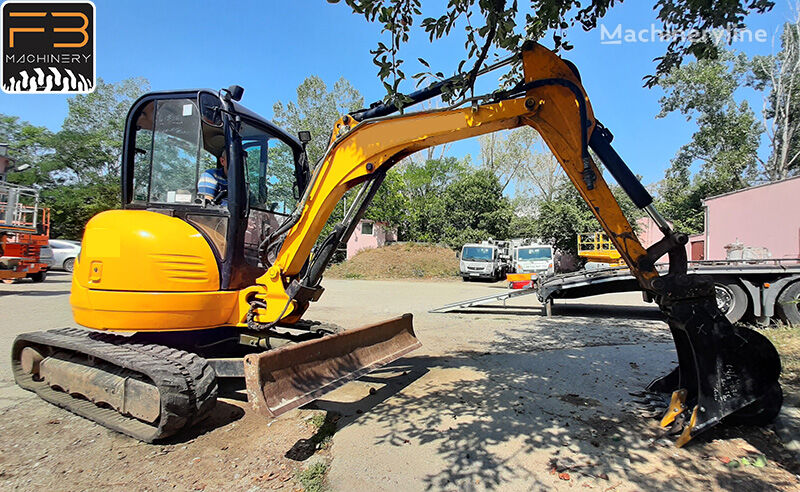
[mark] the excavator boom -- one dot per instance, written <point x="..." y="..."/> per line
<point x="724" y="370"/>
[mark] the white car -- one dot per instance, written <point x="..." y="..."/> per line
<point x="64" y="254"/>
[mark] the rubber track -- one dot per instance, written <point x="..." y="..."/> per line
<point x="186" y="382"/>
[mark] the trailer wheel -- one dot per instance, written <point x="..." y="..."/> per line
<point x="731" y="300"/>
<point x="788" y="305"/>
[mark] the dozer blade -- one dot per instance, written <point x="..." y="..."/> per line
<point x="725" y="372"/>
<point x="283" y="379"/>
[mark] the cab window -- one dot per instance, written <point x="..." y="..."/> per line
<point x="171" y="153"/>
<point x="269" y="170"/>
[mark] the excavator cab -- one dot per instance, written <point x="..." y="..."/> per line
<point x="178" y="256"/>
<point x="175" y="144"/>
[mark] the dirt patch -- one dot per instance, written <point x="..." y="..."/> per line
<point x="404" y="260"/>
<point x="579" y="400"/>
<point x="50" y="449"/>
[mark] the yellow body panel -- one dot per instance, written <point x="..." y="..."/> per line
<point x="152" y="311"/>
<point x="146" y="271"/>
<point x="136" y="250"/>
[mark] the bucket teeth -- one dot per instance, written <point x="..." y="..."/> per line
<point x="677" y="405"/>
<point x="686" y="435"/>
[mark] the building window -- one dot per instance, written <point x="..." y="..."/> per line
<point x="366" y="228"/>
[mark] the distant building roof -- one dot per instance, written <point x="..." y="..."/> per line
<point x="750" y="188"/>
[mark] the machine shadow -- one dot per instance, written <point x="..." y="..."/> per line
<point x="487" y="412"/>
<point x="42" y="293"/>
<point x="221" y="415"/>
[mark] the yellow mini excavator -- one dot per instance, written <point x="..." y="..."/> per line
<point x="206" y="287"/>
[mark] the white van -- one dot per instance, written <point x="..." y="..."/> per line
<point x="534" y="258"/>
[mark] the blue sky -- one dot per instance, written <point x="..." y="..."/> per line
<point x="269" y="47"/>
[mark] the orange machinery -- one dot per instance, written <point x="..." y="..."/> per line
<point x="24" y="230"/>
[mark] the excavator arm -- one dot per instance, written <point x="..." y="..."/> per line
<point x="725" y="372"/>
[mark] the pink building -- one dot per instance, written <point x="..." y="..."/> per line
<point x="766" y="216"/>
<point x="648" y="233"/>
<point x="370" y="234"/>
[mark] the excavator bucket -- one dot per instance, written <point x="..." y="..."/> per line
<point x="283" y="379"/>
<point x="725" y="372"/>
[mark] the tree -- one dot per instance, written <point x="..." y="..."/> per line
<point x="89" y="144"/>
<point x="391" y="203"/>
<point x="471" y="209"/>
<point x="432" y="176"/>
<point x="520" y="156"/>
<point x="422" y="184"/>
<point x="725" y="144"/>
<point x="780" y="76"/>
<point x="77" y="168"/>
<point x="72" y="205"/>
<point x="560" y="219"/>
<point x="27" y="145"/>
<point x="491" y="24"/>
<point x="316" y="110"/>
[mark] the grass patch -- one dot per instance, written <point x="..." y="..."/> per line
<point x="313" y="477"/>
<point x="325" y="423"/>
<point x="400" y="260"/>
<point x="786" y="339"/>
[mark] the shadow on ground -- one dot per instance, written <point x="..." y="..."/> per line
<point x="526" y="409"/>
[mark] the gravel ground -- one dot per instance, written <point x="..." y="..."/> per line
<point x="499" y="398"/>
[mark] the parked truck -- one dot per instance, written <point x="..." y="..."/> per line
<point x="534" y="258"/>
<point x="488" y="259"/>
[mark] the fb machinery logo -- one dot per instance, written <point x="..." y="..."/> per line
<point x="48" y="47"/>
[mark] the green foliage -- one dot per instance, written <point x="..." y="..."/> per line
<point x="77" y="169"/>
<point x="497" y="24"/>
<point x="71" y="206"/>
<point x="411" y="197"/>
<point x="561" y="219"/>
<point x="432" y="176"/>
<point x="89" y="144"/>
<point x="391" y="203"/>
<point x="472" y="208"/>
<point x="780" y="75"/>
<point x="316" y="110"/>
<point x="313" y="477"/>
<point x="325" y="423"/>
<point x="725" y="144"/>
<point x="27" y="145"/>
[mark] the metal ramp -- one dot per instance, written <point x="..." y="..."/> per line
<point x="481" y="301"/>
